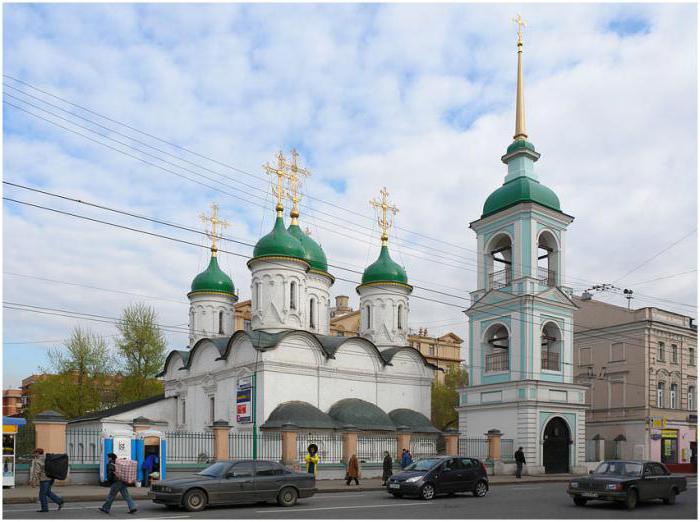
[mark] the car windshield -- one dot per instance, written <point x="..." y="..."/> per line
<point x="629" y="469"/>
<point x="422" y="465"/>
<point x="215" y="470"/>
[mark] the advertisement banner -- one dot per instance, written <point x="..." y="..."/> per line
<point x="244" y="410"/>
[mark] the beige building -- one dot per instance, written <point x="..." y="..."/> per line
<point x="443" y="351"/>
<point x="640" y="366"/>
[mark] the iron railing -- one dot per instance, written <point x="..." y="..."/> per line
<point x="83" y="446"/>
<point x="330" y="446"/>
<point x="550" y="361"/>
<point x="497" y="362"/>
<point x="546" y="277"/>
<point x="268" y="445"/>
<point x="474" y="447"/>
<point x="501" y="278"/>
<point x="371" y="446"/>
<point x="423" y="446"/>
<point x="190" y="447"/>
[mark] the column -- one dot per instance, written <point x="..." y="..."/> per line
<point x="451" y="442"/>
<point x="403" y="441"/>
<point x="221" y="429"/>
<point x="349" y="442"/>
<point x="289" y="445"/>
<point x="50" y="429"/>
<point x="494" y="437"/>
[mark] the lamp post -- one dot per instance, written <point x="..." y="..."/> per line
<point x="255" y="414"/>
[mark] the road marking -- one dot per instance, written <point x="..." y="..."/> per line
<point x="294" y="510"/>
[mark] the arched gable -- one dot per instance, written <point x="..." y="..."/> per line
<point x="357" y="354"/>
<point x="407" y="361"/>
<point x="297" y="347"/>
<point x="205" y="354"/>
<point x="174" y="362"/>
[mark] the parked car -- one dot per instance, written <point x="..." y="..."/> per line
<point x="235" y="482"/>
<point x="428" y="477"/>
<point x="627" y="481"/>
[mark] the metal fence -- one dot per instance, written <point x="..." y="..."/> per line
<point x="190" y="447"/>
<point x="83" y="446"/>
<point x="371" y="446"/>
<point x="25" y="442"/>
<point x="269" y="445"/>
<point x="478" y="448"/>
<point x="330" y="446"/>
<point x="423" y="446"/>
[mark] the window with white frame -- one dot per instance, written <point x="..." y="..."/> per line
<point x="691" y="398"/>
<point x="312" y="313"/>
<point x="660" y="394"/>
<point x="674" y="396"/>
<point x="293" y="295"/>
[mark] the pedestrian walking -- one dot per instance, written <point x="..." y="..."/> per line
<point x="519" y="461"/>
<point x="37" y="477"/>
<point x="406" y="459"/>
<point x="387" y="468"/>
<point x="312" y="459"/>
<point x="149" y="464"/>
<point x="353" y="471"/>
<point x="116" y="486"/>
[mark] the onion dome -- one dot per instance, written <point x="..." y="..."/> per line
<point x="279" y="243"/>
<point x="313" y="253"/>
<point x="384" y="270"/>
<point x="520" y="190"/>
<point x="213" y="280"/>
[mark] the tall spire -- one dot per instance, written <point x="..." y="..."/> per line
<point x="214" y="220"/>
<point x="520" y="132"/>
<point x="294" y="176"/>
<point x="383" y="207"/>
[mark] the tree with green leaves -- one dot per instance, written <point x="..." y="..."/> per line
<point x="74" y="383"/>
<point x="445" y="397"/>
<point x="142" y="346"/>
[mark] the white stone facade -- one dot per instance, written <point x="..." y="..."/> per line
<point x="211" y="315"/>
<point x="384" y="314"/>
<point x="318" y="302"/>
<point x="278" y="293"/>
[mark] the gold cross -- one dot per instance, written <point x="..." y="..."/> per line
<point x="215" y="221"/>
<point x="281" y="172"/>
<point x="385" y="222"/>
<point x="521" y="23"/>
<point x="295" y="172"/>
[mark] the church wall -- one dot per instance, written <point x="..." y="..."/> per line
<point x="204" y="359"/>
<point x="271" y="300"/>
<point x="384" y="303"/>
<point x="204" y="315"/>
<point x="318" y="288"/>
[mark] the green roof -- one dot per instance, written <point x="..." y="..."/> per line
<point x="213" y="279"/>
<point x="302" y="414"/>
<point x="520" y="190"/>
<point x="520" y="144"/>
<point x="313" y="253"/>
<point x="360" y="414"/>
<point x="279" y="242"/>
<point x="384" y="270"/>
<point x="415" y="421"/>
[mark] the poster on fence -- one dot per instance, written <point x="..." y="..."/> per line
<point x="244" y="410"/>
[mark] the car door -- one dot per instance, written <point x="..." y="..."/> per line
<point x="470" y="473"/>
<point x="240" y="483"/>
<point x="662" y="481"/>
<point x="647" y="483"/>
<point x="449" y="476"/>
<point x="267" y="480"/>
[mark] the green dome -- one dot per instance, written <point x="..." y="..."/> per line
<point x="520" y="144"/>
<point x="279" y="242"/>
<point x="520" y="190"/>
<point x="313" y="253"/>
<point x="384" y="270"/>
<point x="213" y="279"/>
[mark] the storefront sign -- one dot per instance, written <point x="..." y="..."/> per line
<point x="658" y="422"/>
<point x="669" y="434"/>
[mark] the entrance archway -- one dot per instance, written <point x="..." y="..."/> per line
<point x="555" y="456"/>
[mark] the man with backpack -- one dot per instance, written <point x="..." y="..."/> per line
<point x="38" y="477"/>
<point x="116" y="485"/>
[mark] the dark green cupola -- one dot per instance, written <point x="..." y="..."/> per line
<point x="279" y="243"/>
<point x="313" y="253"/>
<point x="384" y="270"/>
<point x="213" y="280"/>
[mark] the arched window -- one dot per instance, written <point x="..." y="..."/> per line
<point x="256" y="304"/>
<point x="497" y="349"/>
<point x="312" y="313"/>
<point x="293" y="296"/>
<point x="691" y="398"/>
<point x="660" y="394"/>
<point x="499" y="261"/>
<point x="368" y="317"/>
<point x="399" y="318"/>
<point x="221" y="322"/>
<point x="674" y="395"/>
<point x="547" y="259"/>
<point x="674" y="354"/>
<point x="551" y="347"/>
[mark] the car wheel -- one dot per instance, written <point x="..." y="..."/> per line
<point x="427" y="492"/>
<point x="195" y="500"/>
<point x="631" y="500"/>
<point x="580" y="501"/>
<point x="481" y="489"/>
<point x="671" y="498"/>
<point x="287" y="497"/>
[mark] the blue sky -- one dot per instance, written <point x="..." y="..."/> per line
<point x="415" y="97"/>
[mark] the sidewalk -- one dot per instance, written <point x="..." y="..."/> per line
<point x="27" y="494"/>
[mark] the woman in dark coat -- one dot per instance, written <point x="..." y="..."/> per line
<point x="388" y="470"/>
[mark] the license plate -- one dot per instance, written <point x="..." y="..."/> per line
<point x="590" y="495"/>
<point x="394" y="486"/>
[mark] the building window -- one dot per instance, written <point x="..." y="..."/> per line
<point x="293" y="296"/>
<point x="617" y="352"/>
<point x="691" y="398"/>
<point x="183" y="420"/>
<point x="312" y="314"/>
<point x="674" y="354"/>
<point x="212" y="404"/>
<point x="585" y="356"/>
<point x="257" y="296"/>
<point x="674" y="395"/>
<point x="399" y="317"/>
<point x="246" y="324"/>
<point x="368" y="316"/>
<point x="691" y="356"/>
<point x="661" y="355"/>
<point x="221" y="323"/>
<point x="660" y="394"/>
<point x="431" y="349"/>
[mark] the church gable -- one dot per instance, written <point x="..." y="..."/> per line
<point x="556" y="296"/>
<point x="296" y="348"/>
<point x="407" y="361"/>
<point x="358" y="355"/>
<point x="204" y="357"/>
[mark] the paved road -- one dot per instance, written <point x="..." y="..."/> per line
<point x="520" y="501"/>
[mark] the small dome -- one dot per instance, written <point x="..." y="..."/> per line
<point x="213" y="279"/>
<point x="279" y="242"/>
<point x="313" y="253"/>
<point x="300" y="413"/>
<point x="520" y="190"/>
<point x="416" y="422"/>
<point x="384" y="270"/>
<point x="360" y="414"/>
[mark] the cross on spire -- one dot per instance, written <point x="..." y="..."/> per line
<point x="521" y="23"/>
<point x="214" y="220"/>
<point x="520" y="132"/>
<point x="278" y="187"/>
<point x="295" y="172"/>
<point x="387" y="211"/>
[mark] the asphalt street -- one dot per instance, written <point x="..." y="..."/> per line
<point x="519" y="501"/>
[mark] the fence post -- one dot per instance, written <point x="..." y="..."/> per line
<point x="50" y="429"/>
<point x="221" y="430"/>
<point x="141" y="424"/>
<point x="289" y="445"/>
<point x="403" y="441"/>
<point x="494" y="435"/>
<point x="451" y="442"/>
<point x="349" y="443"/>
